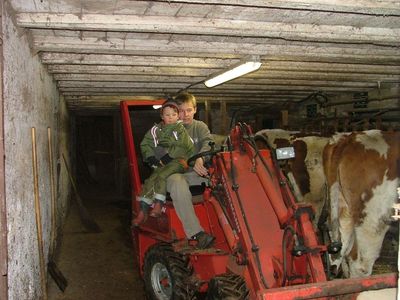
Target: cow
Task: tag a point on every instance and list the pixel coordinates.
(362, 174)
(305, 172)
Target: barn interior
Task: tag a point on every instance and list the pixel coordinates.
(327, 66)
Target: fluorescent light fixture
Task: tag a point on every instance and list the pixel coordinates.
(157, 106)
(245, 66)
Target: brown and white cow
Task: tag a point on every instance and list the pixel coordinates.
(362, 172)
(305, 172)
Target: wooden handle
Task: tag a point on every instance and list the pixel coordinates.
(38, 216)
(53, 192)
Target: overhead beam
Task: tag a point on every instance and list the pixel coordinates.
(241, 97)
(330, 67)
(134, 60)
(207, 26)
(195, 62)
(126, 78)
(243, 84)
(307, 52)
(272, 74)
(379, 8)
(288, 77)
(272, 90)
(183, 71)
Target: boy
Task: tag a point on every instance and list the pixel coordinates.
(178, 184)
(166, 148)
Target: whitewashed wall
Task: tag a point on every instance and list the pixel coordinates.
(30, 100)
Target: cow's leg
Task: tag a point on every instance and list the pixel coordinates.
(371, 232)
(346, 229)
(342, 226)
(334, 193)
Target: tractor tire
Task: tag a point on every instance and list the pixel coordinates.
(227, 287)
(166, 274)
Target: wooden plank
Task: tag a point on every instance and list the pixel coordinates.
(203, 73)
(391, 7)
(134, 60)
(194, 62)
(129, 70)
(208, 91)
(125, 77)
(207, 26)
(296, 78)
(236, 85)
(168, 47)
(3, 208)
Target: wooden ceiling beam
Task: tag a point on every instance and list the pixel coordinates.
(134, 60)
(380, 8)
(267, 74)
(243, 84)
(222, 88)
(167, 61)
(304, 52)
(207, 26)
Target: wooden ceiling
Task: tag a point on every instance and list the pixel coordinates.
(101, 51)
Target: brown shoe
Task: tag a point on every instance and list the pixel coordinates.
(140, 218)
(156, 211)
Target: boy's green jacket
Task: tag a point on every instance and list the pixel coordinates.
(171, 139)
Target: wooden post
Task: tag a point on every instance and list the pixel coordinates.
(259, 123)
(38, 217)
(223, 112)
(335, 125)
(3, 211)
(346, 124)
(365, 124)
(207, 110)
(284, 119)
(378, 124)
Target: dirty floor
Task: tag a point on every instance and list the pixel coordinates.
(102, 266)
(98, 266)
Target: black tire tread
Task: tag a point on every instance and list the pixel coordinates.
(228, 286)
(178, 266)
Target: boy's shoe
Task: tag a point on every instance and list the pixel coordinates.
(156, 211)
(204, 240)
(140, 218)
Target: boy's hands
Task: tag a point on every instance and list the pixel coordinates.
(199, 167)
(166, 159)
(153, 162)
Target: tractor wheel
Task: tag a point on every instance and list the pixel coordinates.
(227, 286)
(166, 273)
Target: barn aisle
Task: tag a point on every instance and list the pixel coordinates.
(98, 265)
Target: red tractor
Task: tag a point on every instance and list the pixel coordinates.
(265, 247)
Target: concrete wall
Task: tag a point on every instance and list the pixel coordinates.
(30, 100)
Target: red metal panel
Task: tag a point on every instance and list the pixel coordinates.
(332, 289)
(207, 265)
(130, 141)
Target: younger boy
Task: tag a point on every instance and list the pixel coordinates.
(166, 148)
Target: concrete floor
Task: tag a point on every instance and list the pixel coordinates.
(98, 265)
(102, 266)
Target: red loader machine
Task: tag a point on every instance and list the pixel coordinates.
(265, 246)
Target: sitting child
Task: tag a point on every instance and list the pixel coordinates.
(166, 148)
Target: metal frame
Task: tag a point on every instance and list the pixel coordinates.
(258, 205)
